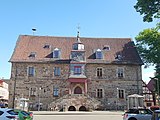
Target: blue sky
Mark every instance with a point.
(97, 18)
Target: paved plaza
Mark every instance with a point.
(95, 115)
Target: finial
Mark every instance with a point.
(78, 38)
(34, 30)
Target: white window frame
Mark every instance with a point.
(77, 70)
(121, 93)
(99, 92)
(55, 92)
(31, 71)
(56, 53)
(98, 53)
(98, 70)
(57, 71)
(120, 72)
(32, 91)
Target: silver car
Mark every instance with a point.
(138, 114)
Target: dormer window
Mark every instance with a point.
(56, 53)
(32, 55)
(46, 46)
(118, 57)
(99, 54)
(106, 48)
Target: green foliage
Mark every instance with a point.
(149, 9)
(148, 45)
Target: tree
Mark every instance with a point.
(148, 45)
(149, 9)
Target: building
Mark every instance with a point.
(4, 94)
(149, 96)
(73, 73)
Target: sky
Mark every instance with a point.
(96, 18)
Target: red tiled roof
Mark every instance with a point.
(27, 44)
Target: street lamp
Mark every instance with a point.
(157, 81)
(117, 98)
(39, 98)
(14, 88)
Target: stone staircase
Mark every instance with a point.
(76, 100)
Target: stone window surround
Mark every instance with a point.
(120, 72)
(99, 71)
(57, 71)
(120, 93)
(102, 92)
(31, 71)
(78, 85)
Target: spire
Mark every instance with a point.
(78, 38)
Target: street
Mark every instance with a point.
(79, 116)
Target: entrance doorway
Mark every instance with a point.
(71, 108)
(77, 90)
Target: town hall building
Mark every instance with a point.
(74, 73)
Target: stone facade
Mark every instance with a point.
(96, 85)
(109, 83)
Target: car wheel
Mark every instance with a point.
(132, 119)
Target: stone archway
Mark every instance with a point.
(82, 108)
(71, 108)
(77, 90)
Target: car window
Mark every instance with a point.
(149, 112)
(145, 111)
(142, 111)
(24, 113)
(132, 111)
(1, 112)
(12, 112)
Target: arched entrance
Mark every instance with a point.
(82, 108)
(77, 90)
(71, 108)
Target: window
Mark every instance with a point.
(106, 47)
(99, 72)
(99, 54)
(31, 71)
(118, 57)
(46, 46)
(57, 71)
(32, 91)
(77, 70)
(56, 53)
(55, 92)
(121, 93)
(120, 72)
(32, 55)
(99, 93)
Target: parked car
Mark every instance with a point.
(8, 114)
(13, 114)
(24, 115)
(153, 108)
(137, 114)
(156, 115)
